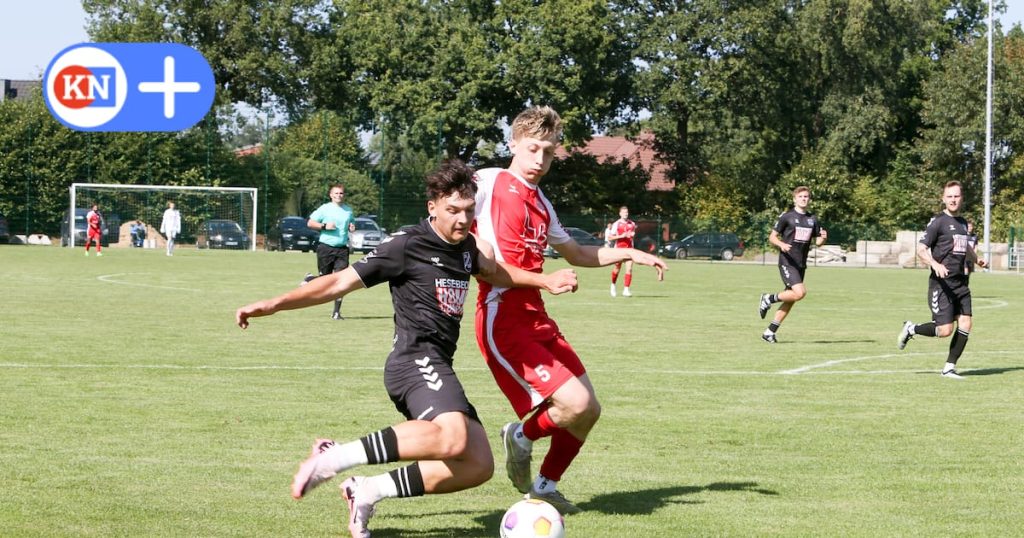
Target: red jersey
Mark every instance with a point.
(93, 218)
(625, 228)
(513, 215)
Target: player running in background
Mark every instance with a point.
(948, 249)
(532, 363)
(623, 231)
(428, 270)
(792, 234)
(94, 229)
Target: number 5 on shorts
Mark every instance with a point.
(543, 374)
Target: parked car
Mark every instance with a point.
(581, 236)
(367, 235)
(292, 233)
(110, 227)
(711, 245)
(222, 233)
(5, 231)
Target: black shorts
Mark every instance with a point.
(423, 384)
(949, 298)
(791, 275)
(331, 259)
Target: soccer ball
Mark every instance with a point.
(532, 518)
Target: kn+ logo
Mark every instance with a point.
(128, 87)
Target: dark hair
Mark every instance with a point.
(336, 186)
(952, 184)
(451, 176)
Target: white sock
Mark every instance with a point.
(520, 438)
(340, 457)
(379, 487)
(543, 485)
(949, 366)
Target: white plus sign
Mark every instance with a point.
(169, 87)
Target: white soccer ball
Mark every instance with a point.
(532, 518)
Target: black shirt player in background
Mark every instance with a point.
(428, 269)
(947, 247)
(792, 234)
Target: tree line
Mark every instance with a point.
(874, 104)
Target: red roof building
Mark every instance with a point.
(636, 152)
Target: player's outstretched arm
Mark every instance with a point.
(595, 256)
(317, 291)
(508, 276)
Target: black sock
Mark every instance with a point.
(409, 481)
(381, 446)
(773, 326)
(773, 298)
(957, 345)
(337, 306)
(925, 329)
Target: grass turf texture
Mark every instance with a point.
(130, 404)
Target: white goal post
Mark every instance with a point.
(122, 205)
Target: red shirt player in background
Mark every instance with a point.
(531, 361)
(94, 229)
(623, 231)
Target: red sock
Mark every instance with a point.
(540, 424)
(564, 448)
(615, 274)
(629, 279)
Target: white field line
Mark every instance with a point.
(809, 369)
(111, 279)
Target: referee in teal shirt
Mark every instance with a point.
(334, 220)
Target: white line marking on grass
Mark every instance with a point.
(109, 279)
(833, 362)
(998, 303)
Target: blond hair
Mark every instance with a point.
(540, 122)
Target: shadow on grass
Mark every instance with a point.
(647, 501)
(990, 371)
(643, 502)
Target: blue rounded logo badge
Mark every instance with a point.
(128, 87)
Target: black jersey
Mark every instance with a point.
(948, 239)
(429, 281)
(798, 230)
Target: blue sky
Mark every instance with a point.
(32, 32)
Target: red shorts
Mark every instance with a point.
(94, 235)
(528, 357)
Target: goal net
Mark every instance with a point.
(128, 208)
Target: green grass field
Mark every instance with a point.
(131, 405)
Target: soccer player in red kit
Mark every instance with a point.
(623, 231)
(94, 230)
(532, 363)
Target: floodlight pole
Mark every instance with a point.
(988, 147)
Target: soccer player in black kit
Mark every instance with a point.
(792, 234)
(948, 249)
(428, 270)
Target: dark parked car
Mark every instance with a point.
(110, 226)
(581, 236)
(5, 232)
(709, 245)
(222, 233)
(292, 233)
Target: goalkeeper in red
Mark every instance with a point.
(94, 230)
